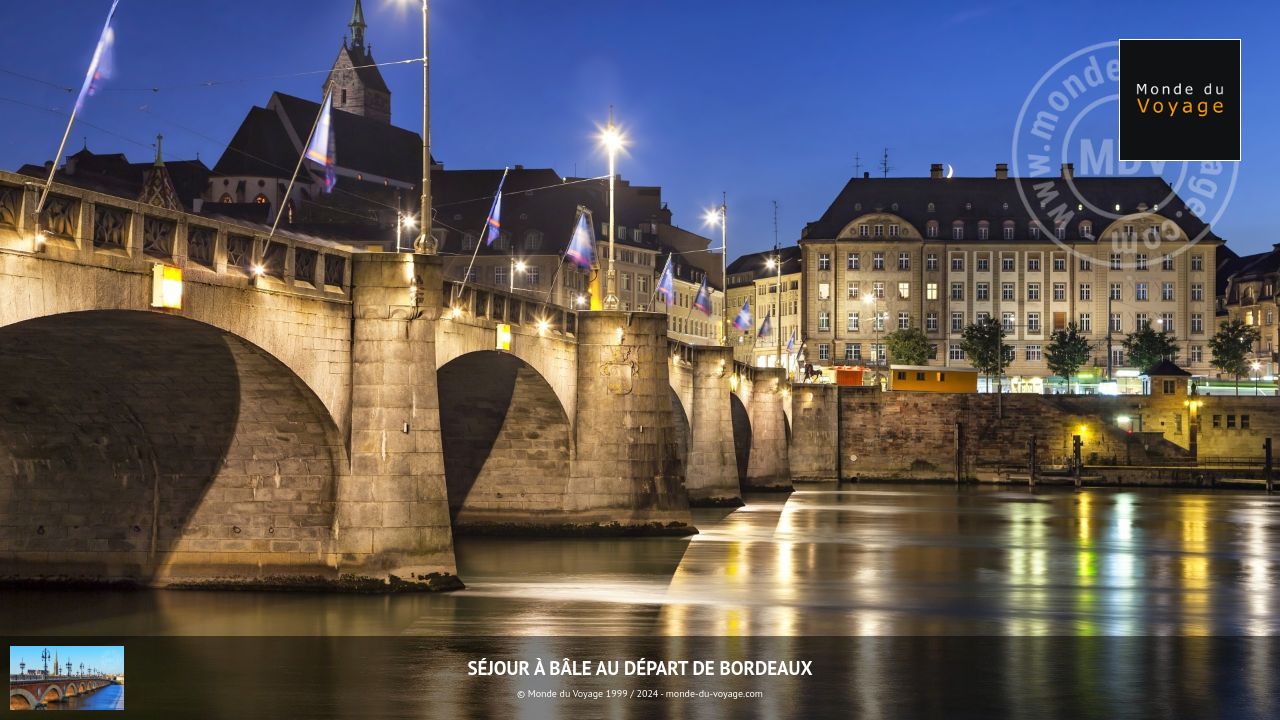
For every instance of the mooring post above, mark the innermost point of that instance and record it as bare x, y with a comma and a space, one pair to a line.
1076, 445
1031, 461
1266, 466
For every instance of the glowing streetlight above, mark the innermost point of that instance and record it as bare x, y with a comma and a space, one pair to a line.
426, 135
713, 217
517, 266
580, 301
612, 139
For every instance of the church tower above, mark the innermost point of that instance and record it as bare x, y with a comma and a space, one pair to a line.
357, 84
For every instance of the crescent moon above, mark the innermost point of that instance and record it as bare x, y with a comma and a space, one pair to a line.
950, 171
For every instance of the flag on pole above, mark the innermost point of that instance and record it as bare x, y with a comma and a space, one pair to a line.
582, 247
320, 149
766, 327
493, 225
702, 300
100, 65
666, 284
791, 341
743, 321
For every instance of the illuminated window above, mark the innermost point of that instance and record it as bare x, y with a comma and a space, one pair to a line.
261, 199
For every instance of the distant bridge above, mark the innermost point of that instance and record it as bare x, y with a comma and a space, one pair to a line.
314, 414
31, 692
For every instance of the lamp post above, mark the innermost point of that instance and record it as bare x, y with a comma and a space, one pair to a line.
775, 263
720, 216
516, 266
870, 299
422, 245
613, 141
1257, 368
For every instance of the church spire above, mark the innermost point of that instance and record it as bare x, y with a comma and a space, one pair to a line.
357, 26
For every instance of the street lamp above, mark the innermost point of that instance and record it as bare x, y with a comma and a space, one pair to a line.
517, 266
422, 244
613, 140
870, 299
1257, 367
406, 222
775, 263
720, 216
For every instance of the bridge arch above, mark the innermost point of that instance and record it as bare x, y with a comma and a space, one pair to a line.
51, 694
134, 443
681, 428
71, 690
507, 440
20, 699
741, 435
309, 335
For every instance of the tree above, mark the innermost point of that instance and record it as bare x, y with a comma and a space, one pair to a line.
983, 344
907, 347
1231, 346
1066, 352
1147, 347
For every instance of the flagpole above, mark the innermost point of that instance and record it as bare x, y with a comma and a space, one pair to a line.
467, 275
301, 156
75, 110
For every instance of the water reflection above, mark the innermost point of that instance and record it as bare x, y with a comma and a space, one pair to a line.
828, 560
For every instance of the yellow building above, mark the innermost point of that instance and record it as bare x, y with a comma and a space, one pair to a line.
925, 378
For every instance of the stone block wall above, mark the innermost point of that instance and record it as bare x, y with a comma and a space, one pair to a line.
625, 470
813, 450
148, 448
711, 473
507, 443
767, 468
392, 523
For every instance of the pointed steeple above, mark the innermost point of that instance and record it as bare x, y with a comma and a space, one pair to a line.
357, 26
157, 186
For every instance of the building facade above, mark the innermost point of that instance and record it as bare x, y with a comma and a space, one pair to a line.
1249, 295
754, 280
941, 253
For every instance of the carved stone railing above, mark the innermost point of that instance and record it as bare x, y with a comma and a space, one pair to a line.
93, 228
486, 303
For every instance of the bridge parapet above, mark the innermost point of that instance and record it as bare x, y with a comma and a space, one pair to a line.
92, 228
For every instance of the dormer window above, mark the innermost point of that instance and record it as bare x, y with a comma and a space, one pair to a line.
931, 207
957, 230
1086, 229
984, 230
1007, 230
931, 227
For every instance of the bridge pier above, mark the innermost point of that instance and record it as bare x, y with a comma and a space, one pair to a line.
625, 471
391, 525
768, 467
711, 472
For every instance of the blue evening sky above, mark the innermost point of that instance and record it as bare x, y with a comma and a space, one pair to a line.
764, 100
108, 658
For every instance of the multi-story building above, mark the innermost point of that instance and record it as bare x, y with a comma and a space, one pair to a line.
539, 212
940, 253
754, 279
1249, 295
684, 321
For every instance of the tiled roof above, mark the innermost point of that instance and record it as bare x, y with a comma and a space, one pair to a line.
263, 147
756, 264
113, 174
973, 199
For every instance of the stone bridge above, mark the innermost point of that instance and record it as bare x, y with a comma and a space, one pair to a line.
31, 692
316, 414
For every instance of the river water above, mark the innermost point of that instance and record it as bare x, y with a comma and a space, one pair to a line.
877, 565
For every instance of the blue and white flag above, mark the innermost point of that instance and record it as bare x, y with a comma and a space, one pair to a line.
702, 301
493, 225
320, 149
582, 247
666, 284
791, 341
766, 327
100, 65
743, 321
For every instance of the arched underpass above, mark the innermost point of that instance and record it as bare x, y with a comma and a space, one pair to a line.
680, 429
506, 443
146, 447
741, 436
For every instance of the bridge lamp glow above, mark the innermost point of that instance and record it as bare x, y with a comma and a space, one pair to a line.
543, 326
166, 287
258, 270
712, 218
733, 382
40, 239
580, 301
409, 222
503, 342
